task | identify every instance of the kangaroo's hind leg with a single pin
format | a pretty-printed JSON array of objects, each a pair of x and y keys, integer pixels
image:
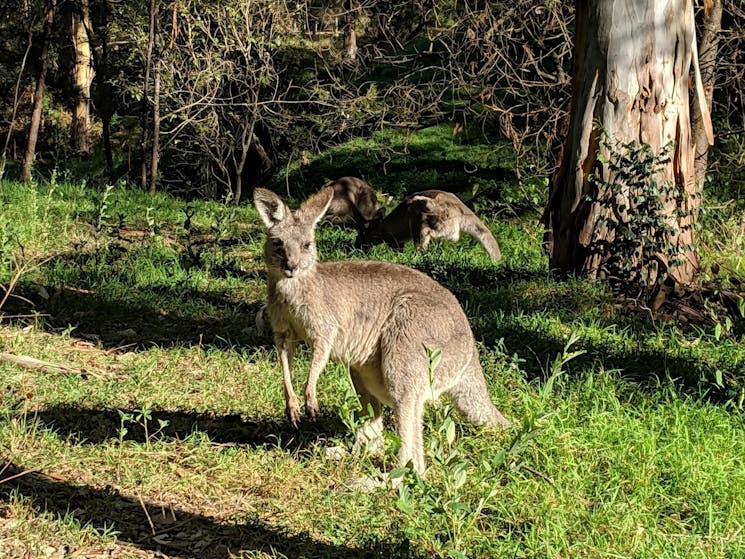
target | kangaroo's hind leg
[
  {"x": 409, "y": 416},
  {"x": 404, "y": 369},
  {"x": 370, "y": 435}
]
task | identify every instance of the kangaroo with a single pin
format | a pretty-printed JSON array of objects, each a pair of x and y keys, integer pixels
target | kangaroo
[
  {"x": 427, "y": 215},
  {"x": 377, "y": 317},
  {"x": 354, "y": 202}
]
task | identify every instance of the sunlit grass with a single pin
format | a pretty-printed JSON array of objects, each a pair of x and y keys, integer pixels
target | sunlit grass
[{"x": 163, "y": 429}]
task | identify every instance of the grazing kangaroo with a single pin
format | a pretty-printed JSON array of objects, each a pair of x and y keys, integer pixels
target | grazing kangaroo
[
  {"x": 378, "y": 317},
  {"x": 427, "y": 215},
  {"x": 354, "y": 202}
]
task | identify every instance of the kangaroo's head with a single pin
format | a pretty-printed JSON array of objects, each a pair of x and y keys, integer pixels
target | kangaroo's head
[{"x": 290, "y": 248}]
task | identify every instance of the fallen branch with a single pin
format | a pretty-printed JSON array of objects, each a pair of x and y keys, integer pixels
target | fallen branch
[
  {"x": 33, "y": 363},
  {"x": 39, "y": 365}
]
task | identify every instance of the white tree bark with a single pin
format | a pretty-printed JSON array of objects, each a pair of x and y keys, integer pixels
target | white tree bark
[{"x": 632, "y": 68}]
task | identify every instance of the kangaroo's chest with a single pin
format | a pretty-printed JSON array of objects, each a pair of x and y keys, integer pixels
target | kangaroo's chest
[
  {"x": 297, "y": 310},
  {"x": 303, "y": 315}
]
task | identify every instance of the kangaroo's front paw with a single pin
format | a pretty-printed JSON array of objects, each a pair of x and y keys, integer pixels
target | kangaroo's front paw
[
  {"x": 311, "y": 404},
  {"x": 293, "y": 414},
  {"x": 312, "y": 411}
]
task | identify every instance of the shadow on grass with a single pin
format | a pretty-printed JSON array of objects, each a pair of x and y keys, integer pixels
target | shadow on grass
[
  {"x": 403, "y": 175},
  {"x": 95, "y": 426},
  {"x": 124, "y": 317},
  {"x": 138, "y": 321},
  {"x": 177, "y": 533}
]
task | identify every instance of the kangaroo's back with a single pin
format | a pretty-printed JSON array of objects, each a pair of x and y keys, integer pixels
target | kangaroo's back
[
  {"x": 427, "y": 215},
  {"x": 354, "y": 202}
]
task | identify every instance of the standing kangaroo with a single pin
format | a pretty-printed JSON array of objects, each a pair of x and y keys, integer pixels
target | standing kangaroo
[
  {"x": 427, "y": 215},
  {"x": 378, "y": 317},
  {"x": 354, "y": 202}
]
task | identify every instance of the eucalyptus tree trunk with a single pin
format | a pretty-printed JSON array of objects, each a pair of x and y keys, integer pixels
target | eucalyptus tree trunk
[
  {"x": 632, "y": 61},
  {"x": 83, "y": 74},
  {"x": 708, "y": 48},
  {"x": 41, "y": 78}
]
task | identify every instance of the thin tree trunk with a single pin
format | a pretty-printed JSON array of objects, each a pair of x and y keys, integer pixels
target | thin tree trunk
[
  {"x": 145, "y": 88},
  {"x": 33, "y": 133},
  {"x": 83, "y": 73},
  {"x": 632, "y": 60},
  {"x": 155, "y": 156},
  {"x": 241, "y": 163},
  {"x": 106, "y": 101},
  {"x": 708, "y": 49},
  {"x": 349, "y": 44},
  {"x": 3, "y": 157}
]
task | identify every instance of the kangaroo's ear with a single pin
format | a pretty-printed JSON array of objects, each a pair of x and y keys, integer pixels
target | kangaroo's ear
[
  {"x": 271, "y": 208},
  {"x": 312, "y": 210}
]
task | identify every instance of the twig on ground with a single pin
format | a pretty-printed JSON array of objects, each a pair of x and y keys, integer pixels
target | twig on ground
[{"x": 39, "y": 365}]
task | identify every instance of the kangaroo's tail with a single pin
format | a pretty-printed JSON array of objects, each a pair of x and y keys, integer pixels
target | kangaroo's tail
[{"x": 474, "y": 227}]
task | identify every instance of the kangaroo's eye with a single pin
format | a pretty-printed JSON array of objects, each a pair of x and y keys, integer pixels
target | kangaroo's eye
[{"x": 306, "y": 245}]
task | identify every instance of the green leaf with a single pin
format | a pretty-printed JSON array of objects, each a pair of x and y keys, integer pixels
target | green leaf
[
  {"x": 449, "y": 431},
  {"x": 405, "y": 507}
]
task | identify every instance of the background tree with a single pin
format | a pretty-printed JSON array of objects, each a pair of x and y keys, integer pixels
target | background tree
[
  {"x": 41, "y": 77},
  {"x": 632, "y": 60},
  {"x": 501, "y": 69},
  {"x": 145, "y": 135},
  {"x": 83, "y": 74},
  {"x": 708, "y": 48},
  {"x": 349, "y": 42}
]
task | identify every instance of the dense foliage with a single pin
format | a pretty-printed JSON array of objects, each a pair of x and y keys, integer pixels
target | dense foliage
[{"x": 245, "y": 88}]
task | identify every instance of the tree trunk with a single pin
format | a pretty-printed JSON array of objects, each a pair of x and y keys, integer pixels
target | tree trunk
[
  {"x": 106, "y": 93},
  {"x": 83, "y": 74},
  {"x": 155, "y": 155},
  {"x": 632, "y": 60},
  {"x": 33, "y": 132},
  {"x": 145, "y": 87},
  {"x": 11, "y": 124},
  {"x": 349, "y": 44},
  {"x": 708, "y": 48}
]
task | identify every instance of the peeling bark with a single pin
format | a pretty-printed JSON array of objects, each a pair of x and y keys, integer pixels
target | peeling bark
[
  {"x": 708, "y": 49},
  {"x": 632, "y": 61},
  {"x": 83, "y": 74}
]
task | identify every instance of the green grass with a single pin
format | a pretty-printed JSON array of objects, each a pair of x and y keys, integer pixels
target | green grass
[
  {"x": 165, "y": 430},
  {"x": 396, "y": 163}
]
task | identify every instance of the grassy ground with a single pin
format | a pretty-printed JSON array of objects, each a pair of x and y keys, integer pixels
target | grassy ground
[{"x": 161, "y": 432}]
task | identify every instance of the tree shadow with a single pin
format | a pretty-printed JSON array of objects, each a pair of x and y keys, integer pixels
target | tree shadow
[
  {"x": 137, "y": 320},
  {"x": 500, "y": 293},
  {"x": 90, "y": 426},
  {"x": 176, "y": 533},
  {"x": 400, "y": 166},
  {"x": 645, "y": 368}
]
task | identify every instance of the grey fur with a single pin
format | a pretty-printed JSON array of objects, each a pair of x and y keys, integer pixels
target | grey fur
[
  {"x": 376, "y": 316},
  {"x": 354, "y": 202},
  {"x": 427, "y": 215}
]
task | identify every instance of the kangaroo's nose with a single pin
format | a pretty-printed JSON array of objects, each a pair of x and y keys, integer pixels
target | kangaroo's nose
[{"x": 290, "y": 266}]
